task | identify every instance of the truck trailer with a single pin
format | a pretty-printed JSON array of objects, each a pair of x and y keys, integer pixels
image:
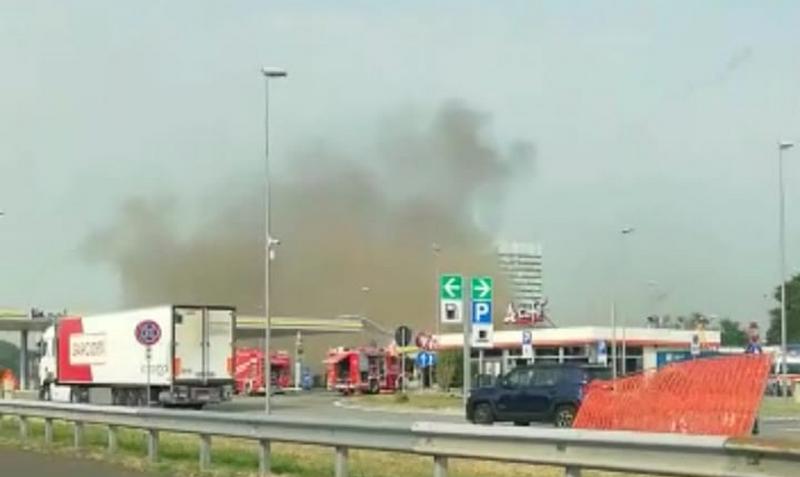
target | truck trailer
[{"x": 104, "y": 358}]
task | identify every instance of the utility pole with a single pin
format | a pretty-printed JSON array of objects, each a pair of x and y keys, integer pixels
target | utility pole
[
  {"x": 783, "y": 146},
  {"x": 467, "y": 320},
  {"x": 269, "y": 73}
]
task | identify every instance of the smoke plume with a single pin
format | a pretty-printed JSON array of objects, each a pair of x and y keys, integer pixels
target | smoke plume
[{"x": 344, "y": 224}]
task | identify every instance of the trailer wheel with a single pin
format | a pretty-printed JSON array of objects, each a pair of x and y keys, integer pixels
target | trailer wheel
[
  {"x": 142, "y": 398},
  {"x": 74, "y": 395},
  {"x": 131, "y": 398},
  {"x": 118, "y": 397},
  {"x": 78, "y": 394}
]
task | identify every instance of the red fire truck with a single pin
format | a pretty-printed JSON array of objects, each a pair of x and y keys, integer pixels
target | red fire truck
[
  {"x": 365, "y": 370},
  {"x": 249, "y": 371}
]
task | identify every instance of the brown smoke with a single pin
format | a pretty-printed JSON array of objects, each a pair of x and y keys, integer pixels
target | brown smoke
[{"x": 343, "y": 224}]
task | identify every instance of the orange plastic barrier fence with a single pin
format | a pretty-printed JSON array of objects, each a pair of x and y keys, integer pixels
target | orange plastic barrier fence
[{"x": 711, "y": 396}]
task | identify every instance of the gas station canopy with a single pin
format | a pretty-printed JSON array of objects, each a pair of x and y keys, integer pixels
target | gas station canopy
[{"x": 253, "y": 326}]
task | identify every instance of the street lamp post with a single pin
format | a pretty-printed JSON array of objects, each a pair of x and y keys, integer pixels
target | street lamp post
[
  {"x": 437, "y": 249},
  {"x": 364, "y": 300},
  {"x": 625, "y": 232},
  {"x": 269, "y": 73},
  {"x": 437, "y": 311},
  {"x": 365, "y": 303},
  {"x": 782, "y": 146}
]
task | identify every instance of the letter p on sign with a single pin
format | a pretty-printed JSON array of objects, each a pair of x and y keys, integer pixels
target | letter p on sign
[{"x": 482, "y": 312}]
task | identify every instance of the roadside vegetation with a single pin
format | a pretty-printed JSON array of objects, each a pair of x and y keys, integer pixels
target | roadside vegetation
[
  {"x": 178, "y": 455},
  {"x": 410, "y": 400},
  {"x": 773, "y": 406}
]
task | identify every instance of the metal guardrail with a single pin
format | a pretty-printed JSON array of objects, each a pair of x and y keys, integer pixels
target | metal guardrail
[{"x": 574, "y": 450}]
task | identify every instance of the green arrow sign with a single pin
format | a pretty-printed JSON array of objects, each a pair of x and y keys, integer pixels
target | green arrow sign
[
  {"x": 451, "y": 287},
  {"x": 481, "y": 288}
]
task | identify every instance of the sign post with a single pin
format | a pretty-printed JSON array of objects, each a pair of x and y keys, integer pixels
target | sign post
[
  {"x": 148, "y": 333},
  {"x": 466, "y": 358},
  {"x": 478, "y": 329},
  {"x": 149, "y": 358},
  {"x": 482, "y": 317},
  {"x": 402, "y": 336}
]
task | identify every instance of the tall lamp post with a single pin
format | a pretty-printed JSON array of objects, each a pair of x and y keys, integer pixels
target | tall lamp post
[
  {"x": 364, "y": 307},
  {"x": 437, "y": 310},
  {"x": 783, "y": 146},
  {"x": 625, "y": 232},
  {"x": 269, "y": 74},
  {"x": 437, "y": 249}
]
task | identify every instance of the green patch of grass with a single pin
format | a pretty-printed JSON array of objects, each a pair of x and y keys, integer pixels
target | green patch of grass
[
  {"x": 779, "y": 407},
  {"x": 178, "y": 455},
  {"x": 410, "y": 400}
]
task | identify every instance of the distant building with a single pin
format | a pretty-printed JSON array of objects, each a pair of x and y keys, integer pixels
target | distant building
[
  {"x": 643, "y": 348},
  {"x": 521, "y": 263}
]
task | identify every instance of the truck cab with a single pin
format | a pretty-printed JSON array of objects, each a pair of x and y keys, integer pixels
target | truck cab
[{"x": 48, "y": 387}]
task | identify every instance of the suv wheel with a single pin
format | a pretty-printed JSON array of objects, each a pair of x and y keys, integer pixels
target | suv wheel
[
  {"x": 564, "y": 416},
  {"x": 483, "y": 414}
]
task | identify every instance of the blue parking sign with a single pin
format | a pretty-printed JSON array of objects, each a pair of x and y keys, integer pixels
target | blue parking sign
[
  {"x": 482, "y": 312},
  {"x": 602, "y": 352}
]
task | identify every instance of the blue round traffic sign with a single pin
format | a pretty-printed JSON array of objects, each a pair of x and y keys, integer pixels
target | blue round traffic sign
[
  {"x": 148, "y": 332},
  {"x": 425, "y": 359}
]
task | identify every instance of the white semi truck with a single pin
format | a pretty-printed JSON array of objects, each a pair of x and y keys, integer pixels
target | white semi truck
[{"x": 100, "y": 358}]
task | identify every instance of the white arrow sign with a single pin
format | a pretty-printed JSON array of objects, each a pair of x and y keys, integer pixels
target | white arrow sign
[
  {"x": 452, "y": 287},
  {"x": 481, "y": 288}
]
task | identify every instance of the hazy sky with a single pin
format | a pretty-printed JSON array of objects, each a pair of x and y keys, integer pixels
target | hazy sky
[{"x": 659, "y": 115}]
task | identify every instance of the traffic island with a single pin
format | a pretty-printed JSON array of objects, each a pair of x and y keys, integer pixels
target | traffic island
[{"x": 408, "y": 402}]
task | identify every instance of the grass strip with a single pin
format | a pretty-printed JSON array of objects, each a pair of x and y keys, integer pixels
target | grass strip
[{"x": 178, "y": 455}]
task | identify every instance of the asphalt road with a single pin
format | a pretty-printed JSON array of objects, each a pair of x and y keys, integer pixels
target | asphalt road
[
  {"x": 781, "y": 428},
  {"x": 17, "y": 463},
  {"x": 323, "y": 405}
]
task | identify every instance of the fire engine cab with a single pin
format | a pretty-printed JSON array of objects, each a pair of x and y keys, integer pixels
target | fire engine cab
[
  {"x": 366, "y": 370},
  {"x": 249, "y": 371}
]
